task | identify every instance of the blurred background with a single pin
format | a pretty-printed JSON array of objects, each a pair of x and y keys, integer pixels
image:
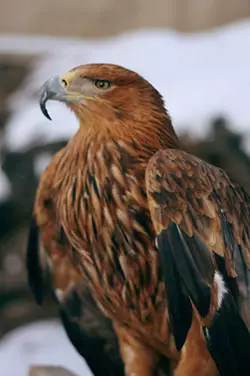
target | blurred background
[{"x": 196, "y": 52}]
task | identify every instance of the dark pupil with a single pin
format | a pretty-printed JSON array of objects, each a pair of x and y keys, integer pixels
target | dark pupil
[{"x": 102, "y": 84}]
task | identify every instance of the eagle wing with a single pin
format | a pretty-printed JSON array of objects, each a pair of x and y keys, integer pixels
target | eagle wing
[
  {"x": 201, "y": 218},
  {"x": 37, "y": 268},
  {"x": 88, "y": 329}
]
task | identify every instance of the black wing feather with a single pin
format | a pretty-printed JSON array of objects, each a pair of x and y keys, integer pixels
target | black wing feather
[
  {"x": 179, "y": 306},
  {"x": 185, "y": 251},
  {"x": 91, "y": 333},
  {"x": 228, "y": 340},
  {"x": 205, "y": 216},
  {"x": 37, "y": 273}
]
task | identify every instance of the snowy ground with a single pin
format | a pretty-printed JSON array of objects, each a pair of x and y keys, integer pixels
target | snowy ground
[{"x": 43, "y": 343}]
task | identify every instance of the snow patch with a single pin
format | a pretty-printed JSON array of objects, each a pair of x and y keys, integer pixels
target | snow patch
[
  {"x": 41, "y": 343},
  {"x": 5, "y": 186},
  {"x": 41, "y": 162}
]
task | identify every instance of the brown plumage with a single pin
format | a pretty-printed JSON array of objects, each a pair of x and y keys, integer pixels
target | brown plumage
[{"x": 123, "y": 182}]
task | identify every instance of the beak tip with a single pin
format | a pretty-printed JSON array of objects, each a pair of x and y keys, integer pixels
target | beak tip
[
  {"x": 44, "y": 110},
  {"x": 48, "y": 115},
  {"x": 43, "y": 100}
]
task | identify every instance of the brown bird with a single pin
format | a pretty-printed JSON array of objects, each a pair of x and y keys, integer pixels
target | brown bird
[{"x": 160, "y": 237}]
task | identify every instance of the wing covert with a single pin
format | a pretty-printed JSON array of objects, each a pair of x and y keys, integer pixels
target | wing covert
[{"x": 204, "y": 216}]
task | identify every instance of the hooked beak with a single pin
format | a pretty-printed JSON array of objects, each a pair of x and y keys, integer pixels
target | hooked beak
[
  {"x": 53, "y": 89},
  {"x": 56, "y": 89}
]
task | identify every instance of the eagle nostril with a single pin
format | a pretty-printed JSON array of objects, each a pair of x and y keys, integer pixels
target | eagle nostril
[{"x": 64, "y": 82}]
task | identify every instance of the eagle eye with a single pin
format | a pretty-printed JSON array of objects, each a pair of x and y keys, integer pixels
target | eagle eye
[{"x": 102, "y": 84}]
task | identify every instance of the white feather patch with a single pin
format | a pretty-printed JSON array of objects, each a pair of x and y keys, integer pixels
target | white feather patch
[
  {"x": 59, "y": 294},
  {"x": 222, "y": 290}
]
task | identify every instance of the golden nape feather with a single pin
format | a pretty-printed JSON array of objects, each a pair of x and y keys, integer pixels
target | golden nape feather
[{"x": 159, "y": 237}]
